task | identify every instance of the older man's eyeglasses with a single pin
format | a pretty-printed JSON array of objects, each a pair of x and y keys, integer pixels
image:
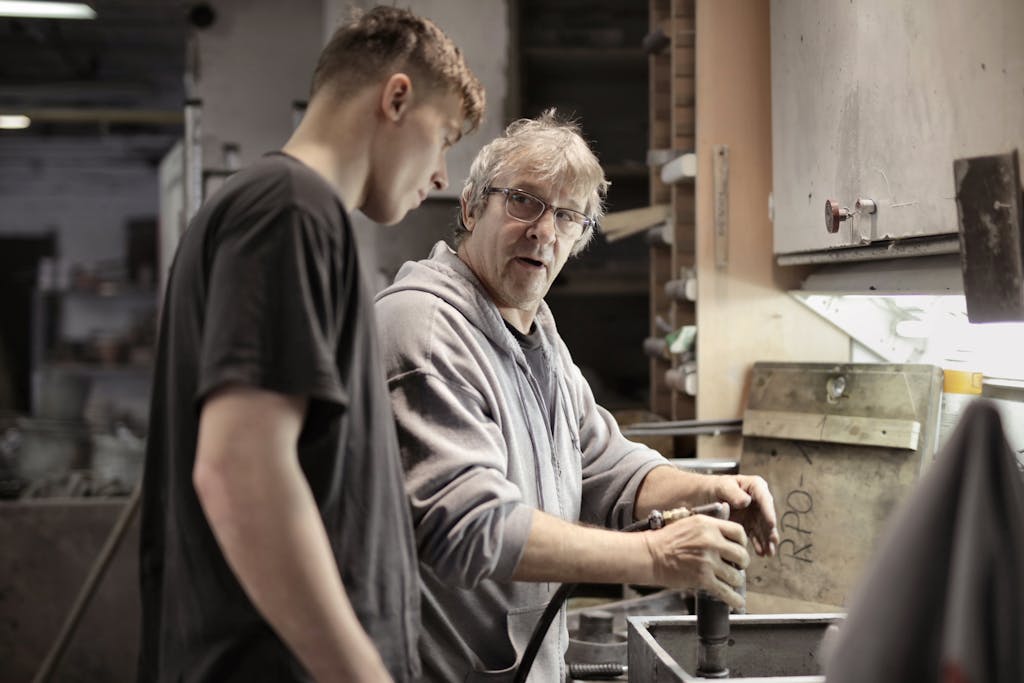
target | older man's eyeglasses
[{"x": 526, "y": 207}]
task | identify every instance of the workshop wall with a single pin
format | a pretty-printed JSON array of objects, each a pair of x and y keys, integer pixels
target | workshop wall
[
  {"x": 83, "y": 189},
  {"x": 256, "y": 114},
  {"x": 247, "y": 68},
  {"x": 89, "y": 193}
]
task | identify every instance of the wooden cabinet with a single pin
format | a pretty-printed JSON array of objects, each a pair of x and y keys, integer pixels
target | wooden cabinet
[
  {"x": 874, "y": 100},
  {"x": 744, "y": 311}
]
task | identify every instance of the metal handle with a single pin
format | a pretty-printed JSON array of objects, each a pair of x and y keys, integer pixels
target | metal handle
[
  {"x": 866, "y": 206},
  {"x": 834, "y": 215}
]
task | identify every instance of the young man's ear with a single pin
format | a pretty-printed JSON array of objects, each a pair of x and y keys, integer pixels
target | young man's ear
[{"x": 396, "y": 98}]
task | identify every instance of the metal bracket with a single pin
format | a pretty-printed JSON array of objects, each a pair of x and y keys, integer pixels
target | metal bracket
[
  {"x": 720, "y": 161},
  {"x": 991, "y": 212}
]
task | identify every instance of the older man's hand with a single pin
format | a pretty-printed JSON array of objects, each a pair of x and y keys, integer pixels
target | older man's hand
[
  {"x": 752, "y": 506},
  {"x": 700, "y": 552}
]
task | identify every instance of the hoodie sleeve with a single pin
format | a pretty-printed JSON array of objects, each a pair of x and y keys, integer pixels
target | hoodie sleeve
[
  {"x": 469, "y": 519},
  {"x": 613, "y": 466}
]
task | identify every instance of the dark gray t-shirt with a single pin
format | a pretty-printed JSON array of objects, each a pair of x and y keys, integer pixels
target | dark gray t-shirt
[
  {"x": 266, "y": 291},
  {"x": 532, "y": 346}
]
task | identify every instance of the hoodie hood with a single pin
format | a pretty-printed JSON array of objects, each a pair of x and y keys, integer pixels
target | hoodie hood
[{"x": 462, "y": 290}]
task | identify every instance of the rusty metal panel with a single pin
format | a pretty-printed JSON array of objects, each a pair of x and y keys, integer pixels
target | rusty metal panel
[
  {"x": 988, "y": 202},
  {"x": 833, "y": 499},
  {"x": 49, "y": 547}
]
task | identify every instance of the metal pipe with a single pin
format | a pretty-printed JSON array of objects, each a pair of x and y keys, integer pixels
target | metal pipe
[
  {"x": 712, "y": 636},
  {"x": 712, "y": 625},
  {"x": 193, "y": 149}
]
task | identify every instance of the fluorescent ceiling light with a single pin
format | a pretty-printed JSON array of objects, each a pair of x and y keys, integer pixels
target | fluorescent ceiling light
[
  {"x": 46, "y": 10},
  {"x": 14, "y": 121}
]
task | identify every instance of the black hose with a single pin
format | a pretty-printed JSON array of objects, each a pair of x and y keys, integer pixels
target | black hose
[
  {"x": 561, "y": 595},
  {"x": 541, "y": 630}
]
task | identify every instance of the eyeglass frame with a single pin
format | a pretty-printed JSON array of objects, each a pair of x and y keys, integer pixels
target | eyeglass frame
[{"x": 587, "y": 222}]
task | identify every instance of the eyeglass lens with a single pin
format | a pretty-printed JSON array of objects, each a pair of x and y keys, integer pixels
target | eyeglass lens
[{"x": 528, "y": 208}]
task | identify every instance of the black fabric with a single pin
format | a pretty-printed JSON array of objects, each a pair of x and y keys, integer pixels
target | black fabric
[
  {"x": 944, "y": 600},
  {"x": 266, "y": 291},
  {"x": 528, "y": 342}
]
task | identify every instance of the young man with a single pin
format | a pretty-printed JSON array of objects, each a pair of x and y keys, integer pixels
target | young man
[
  {"x": 276, "y": 540},
  {"x": 504, "y": 448}
]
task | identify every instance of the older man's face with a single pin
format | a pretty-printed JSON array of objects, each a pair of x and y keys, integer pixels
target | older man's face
[{"x": 517, "y": 261}]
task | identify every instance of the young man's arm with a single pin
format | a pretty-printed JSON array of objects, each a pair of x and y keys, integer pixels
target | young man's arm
[
  {"x": 695, "y": 552},
  {"x": 260, "y": 508}
]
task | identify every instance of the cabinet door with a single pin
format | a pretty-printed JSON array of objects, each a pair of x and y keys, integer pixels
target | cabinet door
[{"x": 875, "y": 99}]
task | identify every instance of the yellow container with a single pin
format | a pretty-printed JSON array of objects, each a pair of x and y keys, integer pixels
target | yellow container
[
  {"x": 961, "y": 382},
  {"x": 959, "y": 387}
]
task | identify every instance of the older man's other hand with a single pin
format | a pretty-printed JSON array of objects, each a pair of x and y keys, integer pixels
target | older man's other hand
[{"x": 752, "y": 506}]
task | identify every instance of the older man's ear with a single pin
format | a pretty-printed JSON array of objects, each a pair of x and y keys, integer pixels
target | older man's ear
[{"x": 468, "y": 221}]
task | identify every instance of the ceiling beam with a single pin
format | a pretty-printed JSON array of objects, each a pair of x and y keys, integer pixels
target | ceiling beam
[{"x": 109, "y": 116}]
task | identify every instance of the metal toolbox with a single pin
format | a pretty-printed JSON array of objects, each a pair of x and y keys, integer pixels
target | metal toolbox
[{"x": 779, "y": 648}]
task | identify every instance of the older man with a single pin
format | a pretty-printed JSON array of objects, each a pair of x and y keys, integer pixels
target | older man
[{"x": 504, "y": 449}]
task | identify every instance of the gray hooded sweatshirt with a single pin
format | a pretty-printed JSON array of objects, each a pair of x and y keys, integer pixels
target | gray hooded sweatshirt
[{"x": 482, "y": 448}]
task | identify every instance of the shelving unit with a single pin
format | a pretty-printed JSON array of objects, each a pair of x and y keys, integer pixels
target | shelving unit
[
  {"x": 65, "y": 318},
  {"x": 585, "y": 58},
  {"x": 671, "y": 129},
  {"x": 105, "y": 336}
]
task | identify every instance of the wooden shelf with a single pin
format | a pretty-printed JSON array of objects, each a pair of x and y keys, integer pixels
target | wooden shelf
[
  {"x": 672, "y": 125},
  {"x": 601, "y": 284},
  {"x": 587, "y": 55},
  {"x": 636, "y": 170},
  {"x": 98, "y": 368},
  {"x": 113, "y": 294}
]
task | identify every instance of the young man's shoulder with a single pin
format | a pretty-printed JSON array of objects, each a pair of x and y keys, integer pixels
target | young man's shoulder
[
  {"x": 274, "y": 189},
  {"x": 278, "y": 178}
]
